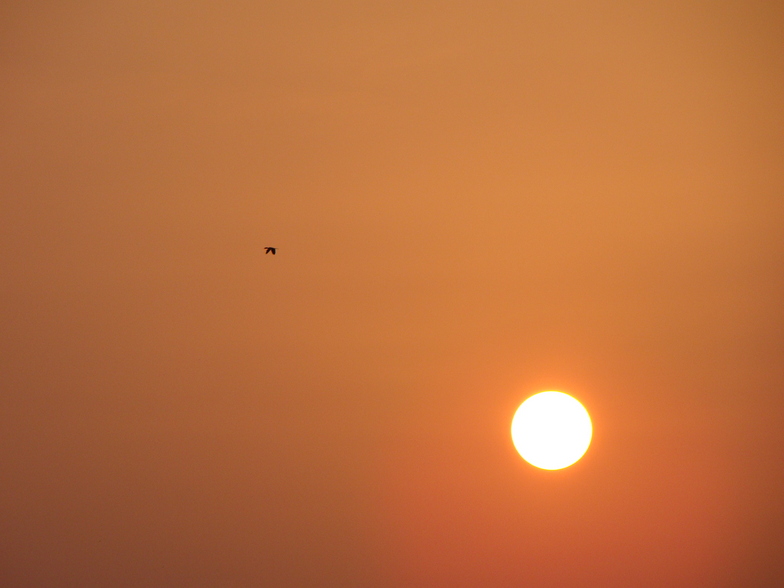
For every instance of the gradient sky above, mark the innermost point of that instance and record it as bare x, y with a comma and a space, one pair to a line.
473, 202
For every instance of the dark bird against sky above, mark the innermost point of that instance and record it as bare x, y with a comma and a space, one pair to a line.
270, 250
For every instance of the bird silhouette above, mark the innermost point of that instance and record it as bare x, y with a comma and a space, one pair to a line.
269, 250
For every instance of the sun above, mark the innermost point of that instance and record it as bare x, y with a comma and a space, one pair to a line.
551, 430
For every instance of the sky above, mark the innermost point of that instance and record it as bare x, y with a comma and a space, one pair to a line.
472, 202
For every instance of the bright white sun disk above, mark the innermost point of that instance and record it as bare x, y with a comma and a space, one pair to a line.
551, 430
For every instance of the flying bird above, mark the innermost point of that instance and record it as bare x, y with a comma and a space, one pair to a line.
269, 250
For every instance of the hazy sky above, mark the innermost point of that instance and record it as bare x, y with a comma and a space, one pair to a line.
472, 202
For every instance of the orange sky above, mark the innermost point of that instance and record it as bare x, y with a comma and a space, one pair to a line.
473, 202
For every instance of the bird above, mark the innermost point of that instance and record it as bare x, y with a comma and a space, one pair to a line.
269, 250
